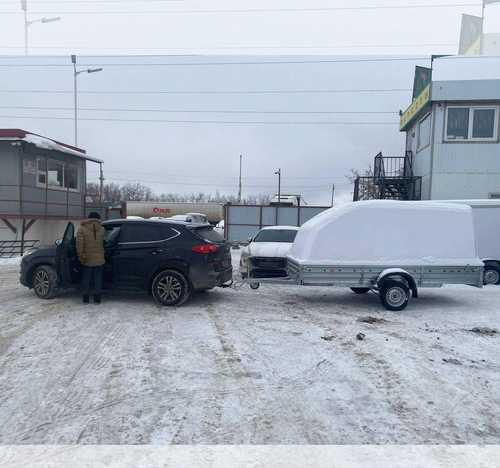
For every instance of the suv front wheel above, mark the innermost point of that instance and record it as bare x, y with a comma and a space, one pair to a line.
170, 288
44, 282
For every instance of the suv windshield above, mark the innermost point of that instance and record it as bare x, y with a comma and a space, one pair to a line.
276, 235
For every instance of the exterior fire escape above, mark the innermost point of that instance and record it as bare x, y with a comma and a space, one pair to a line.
392, 179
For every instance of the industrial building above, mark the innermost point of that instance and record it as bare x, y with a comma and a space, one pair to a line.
42, 187
452, 136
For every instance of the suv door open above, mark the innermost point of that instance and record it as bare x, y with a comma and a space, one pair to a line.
67, 264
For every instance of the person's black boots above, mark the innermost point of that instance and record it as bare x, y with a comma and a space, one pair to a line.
85, 299
97, 299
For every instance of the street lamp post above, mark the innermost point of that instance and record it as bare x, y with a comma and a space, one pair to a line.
278, 173
75, 89
27, 23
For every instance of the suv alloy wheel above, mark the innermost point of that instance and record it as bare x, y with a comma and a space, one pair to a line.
170, 288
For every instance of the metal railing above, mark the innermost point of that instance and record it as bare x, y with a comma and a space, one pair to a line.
16, 248
392, 179
369, 188
392, 166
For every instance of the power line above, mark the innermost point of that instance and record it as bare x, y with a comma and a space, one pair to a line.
96, 2
189, 111
201, 64
190, 176
217, 122
257, 10
242, 47
214, 184
279, 91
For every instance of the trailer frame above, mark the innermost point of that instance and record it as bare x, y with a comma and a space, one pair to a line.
378, 277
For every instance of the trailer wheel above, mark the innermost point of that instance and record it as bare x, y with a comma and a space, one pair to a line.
491, 274
394, 294
360, 290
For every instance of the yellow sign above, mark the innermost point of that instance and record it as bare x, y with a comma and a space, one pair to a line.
416, 106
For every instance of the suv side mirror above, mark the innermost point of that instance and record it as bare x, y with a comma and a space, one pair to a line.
250, 239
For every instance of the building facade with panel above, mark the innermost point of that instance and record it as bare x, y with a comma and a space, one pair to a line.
42, 186
453, 133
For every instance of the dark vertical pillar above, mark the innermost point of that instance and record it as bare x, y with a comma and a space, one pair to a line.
23, 231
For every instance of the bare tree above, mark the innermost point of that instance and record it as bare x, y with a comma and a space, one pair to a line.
114, 193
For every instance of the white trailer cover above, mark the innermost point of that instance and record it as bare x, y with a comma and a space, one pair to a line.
390, 233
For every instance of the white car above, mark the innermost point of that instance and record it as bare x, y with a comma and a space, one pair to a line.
196, 218
220, 228
265, 255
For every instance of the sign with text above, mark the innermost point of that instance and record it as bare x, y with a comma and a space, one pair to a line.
416, 106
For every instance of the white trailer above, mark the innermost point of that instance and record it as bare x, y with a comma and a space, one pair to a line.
391, 247
486, 214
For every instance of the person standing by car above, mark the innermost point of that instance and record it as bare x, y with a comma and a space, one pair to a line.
90, 250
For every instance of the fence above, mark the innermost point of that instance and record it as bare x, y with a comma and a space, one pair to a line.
244, 221
15, 248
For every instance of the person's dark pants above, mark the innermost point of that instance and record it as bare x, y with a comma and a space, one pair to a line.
92, 281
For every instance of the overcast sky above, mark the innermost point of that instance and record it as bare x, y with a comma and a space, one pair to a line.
186, 156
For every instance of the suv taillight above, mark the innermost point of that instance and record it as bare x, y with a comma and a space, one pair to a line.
205, 248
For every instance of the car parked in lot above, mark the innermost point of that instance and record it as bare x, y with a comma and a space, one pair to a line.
265, 255
168, 259
196, 218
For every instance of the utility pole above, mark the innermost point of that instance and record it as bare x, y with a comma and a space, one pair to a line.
481, 39
278, 173
27, 23
101, 184
239, 185
333, 192
75, 90
24, 7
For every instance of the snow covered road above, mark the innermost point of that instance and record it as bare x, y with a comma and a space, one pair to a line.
280, 365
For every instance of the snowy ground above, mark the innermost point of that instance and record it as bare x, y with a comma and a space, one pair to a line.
279, 365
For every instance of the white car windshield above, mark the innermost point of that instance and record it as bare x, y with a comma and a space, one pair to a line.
276, 235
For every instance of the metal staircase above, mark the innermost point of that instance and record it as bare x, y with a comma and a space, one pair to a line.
392, 179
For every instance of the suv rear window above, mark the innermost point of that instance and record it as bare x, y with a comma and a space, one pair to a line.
207, 233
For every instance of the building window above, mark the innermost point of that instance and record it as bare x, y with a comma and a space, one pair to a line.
424, 132
41, 172
71, 177
495, 196
471, 123
57, 175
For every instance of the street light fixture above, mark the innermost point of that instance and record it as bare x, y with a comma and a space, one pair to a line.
28, 23
75, 87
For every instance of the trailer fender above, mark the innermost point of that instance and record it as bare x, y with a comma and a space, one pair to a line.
395, 273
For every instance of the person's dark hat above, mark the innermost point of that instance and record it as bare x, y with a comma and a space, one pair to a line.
94, 215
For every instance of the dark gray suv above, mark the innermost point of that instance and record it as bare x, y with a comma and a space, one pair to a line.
170, 260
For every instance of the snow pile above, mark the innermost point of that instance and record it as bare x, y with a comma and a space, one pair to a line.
46, 143
390, 232
10, 261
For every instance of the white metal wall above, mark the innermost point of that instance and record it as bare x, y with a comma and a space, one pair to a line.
463, 169
244, 221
